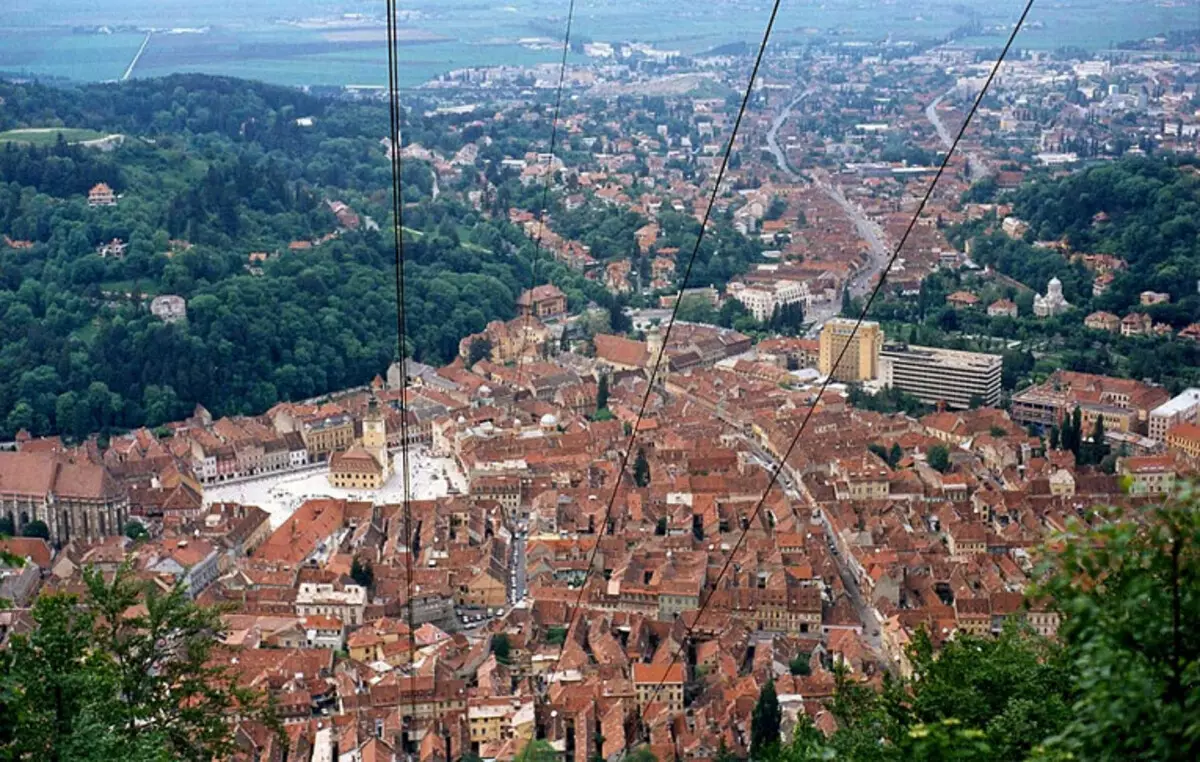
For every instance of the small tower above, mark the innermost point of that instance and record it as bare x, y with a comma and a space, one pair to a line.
374, 434
654, 345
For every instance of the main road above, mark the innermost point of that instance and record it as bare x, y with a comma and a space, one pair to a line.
518, 583
789, 482
976, 168
867, 229
773, 140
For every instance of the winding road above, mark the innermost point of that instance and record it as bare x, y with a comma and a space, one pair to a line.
773, 141
868, 230
976, 168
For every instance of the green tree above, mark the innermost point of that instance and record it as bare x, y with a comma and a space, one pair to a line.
362, 572
7, 526
1015, 689
36, 528
765, 723
895, 455
643, 754
641, 468
1054, 437
799, 665
602, 393
1076, 441
501, 647
135, 531
1128, 587
537, 750
695, 308
938, 458
480, 349
125, 673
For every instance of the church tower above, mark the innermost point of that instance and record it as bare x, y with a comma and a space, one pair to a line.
374, 435
654, 345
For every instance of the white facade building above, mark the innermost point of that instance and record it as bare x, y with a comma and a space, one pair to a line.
1053, 303
1183, 408
761, 300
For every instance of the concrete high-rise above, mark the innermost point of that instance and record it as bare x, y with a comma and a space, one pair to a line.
942, 375
861, 359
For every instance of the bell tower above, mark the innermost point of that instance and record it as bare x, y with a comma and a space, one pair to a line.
374, 434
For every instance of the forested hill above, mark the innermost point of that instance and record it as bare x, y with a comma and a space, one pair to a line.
1145, 211
211, 171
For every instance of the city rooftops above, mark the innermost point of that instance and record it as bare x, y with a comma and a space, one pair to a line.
657, 673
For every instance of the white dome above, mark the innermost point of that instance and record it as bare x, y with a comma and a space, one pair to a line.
549, 420
485, 391
1055, 281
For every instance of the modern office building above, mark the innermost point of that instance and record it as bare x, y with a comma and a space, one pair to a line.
942, 375
1183, 408
860, 360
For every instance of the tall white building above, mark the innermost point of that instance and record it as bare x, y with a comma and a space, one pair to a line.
1053, 303
1183, 408
942, 375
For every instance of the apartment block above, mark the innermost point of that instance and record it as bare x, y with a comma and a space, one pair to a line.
1183, 408
942, 375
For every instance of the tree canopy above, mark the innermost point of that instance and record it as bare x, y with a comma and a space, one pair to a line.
125, 672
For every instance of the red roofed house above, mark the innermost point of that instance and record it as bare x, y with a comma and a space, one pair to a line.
648, 677
101, 195
620, 352
1149, 474
1002, 308
543, 302
962, 299
77, 500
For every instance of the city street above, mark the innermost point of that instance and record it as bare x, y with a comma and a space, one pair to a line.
868, 230
517, 575
866, 613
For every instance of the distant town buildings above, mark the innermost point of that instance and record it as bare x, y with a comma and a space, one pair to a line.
1183, 408
76, 500
761, 300
543, 302
1124, 404
1002, 308
365, 464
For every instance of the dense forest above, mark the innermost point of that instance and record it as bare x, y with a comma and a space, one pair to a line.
210, 172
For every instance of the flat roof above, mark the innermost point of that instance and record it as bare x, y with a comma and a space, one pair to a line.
1177, 404
950, 357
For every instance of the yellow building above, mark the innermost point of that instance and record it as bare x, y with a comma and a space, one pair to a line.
1185, 437
365, 465
327, 435
659, 683
861, 359
484, 590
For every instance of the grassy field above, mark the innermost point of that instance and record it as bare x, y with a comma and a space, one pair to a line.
44, 136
